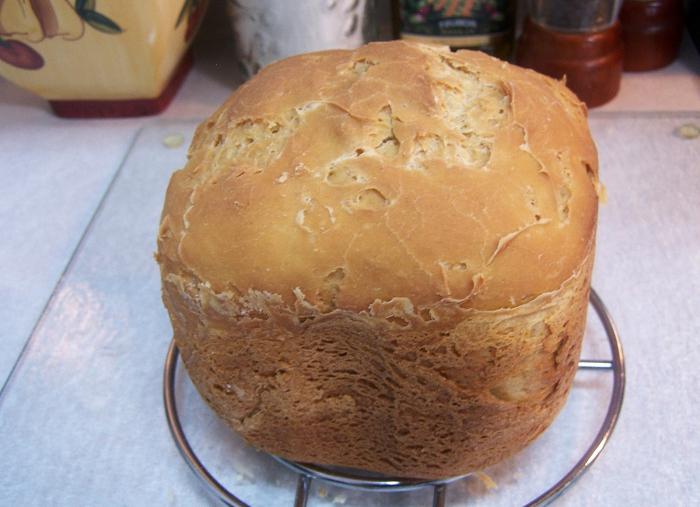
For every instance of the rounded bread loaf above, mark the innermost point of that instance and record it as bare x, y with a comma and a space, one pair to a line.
381, 258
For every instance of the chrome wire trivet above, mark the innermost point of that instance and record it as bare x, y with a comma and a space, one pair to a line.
360, 480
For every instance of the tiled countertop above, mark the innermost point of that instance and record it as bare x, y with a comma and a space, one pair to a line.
78, 275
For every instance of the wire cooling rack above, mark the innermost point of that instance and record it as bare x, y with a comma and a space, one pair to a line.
366, 481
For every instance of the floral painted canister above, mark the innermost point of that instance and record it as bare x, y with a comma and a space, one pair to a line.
98, 57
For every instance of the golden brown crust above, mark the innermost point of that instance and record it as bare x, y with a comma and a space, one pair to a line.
389, 248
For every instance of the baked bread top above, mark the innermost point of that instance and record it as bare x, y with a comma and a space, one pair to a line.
346, 179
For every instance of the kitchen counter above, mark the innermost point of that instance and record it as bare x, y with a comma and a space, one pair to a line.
84, 335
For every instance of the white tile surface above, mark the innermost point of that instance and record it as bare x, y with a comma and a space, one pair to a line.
81, 422
648, 271
53, 173
52, 176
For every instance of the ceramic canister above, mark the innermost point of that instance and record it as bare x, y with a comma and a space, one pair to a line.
95, 51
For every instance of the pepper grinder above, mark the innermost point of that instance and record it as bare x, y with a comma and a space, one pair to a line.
576, 40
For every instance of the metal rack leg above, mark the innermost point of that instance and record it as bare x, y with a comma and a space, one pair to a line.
439, 495
302, 494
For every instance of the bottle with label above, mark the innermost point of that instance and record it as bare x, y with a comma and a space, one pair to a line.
485, 25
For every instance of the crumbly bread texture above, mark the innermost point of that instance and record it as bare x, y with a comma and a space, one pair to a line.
381, 258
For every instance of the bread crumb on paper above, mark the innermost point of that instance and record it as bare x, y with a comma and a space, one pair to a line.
688, 131
173, 140
486, 480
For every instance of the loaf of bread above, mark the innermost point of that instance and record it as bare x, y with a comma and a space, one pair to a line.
381, 258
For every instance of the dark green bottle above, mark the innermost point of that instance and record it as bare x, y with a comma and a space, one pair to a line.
484, 25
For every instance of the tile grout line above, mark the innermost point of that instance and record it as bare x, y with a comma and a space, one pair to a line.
69, 264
